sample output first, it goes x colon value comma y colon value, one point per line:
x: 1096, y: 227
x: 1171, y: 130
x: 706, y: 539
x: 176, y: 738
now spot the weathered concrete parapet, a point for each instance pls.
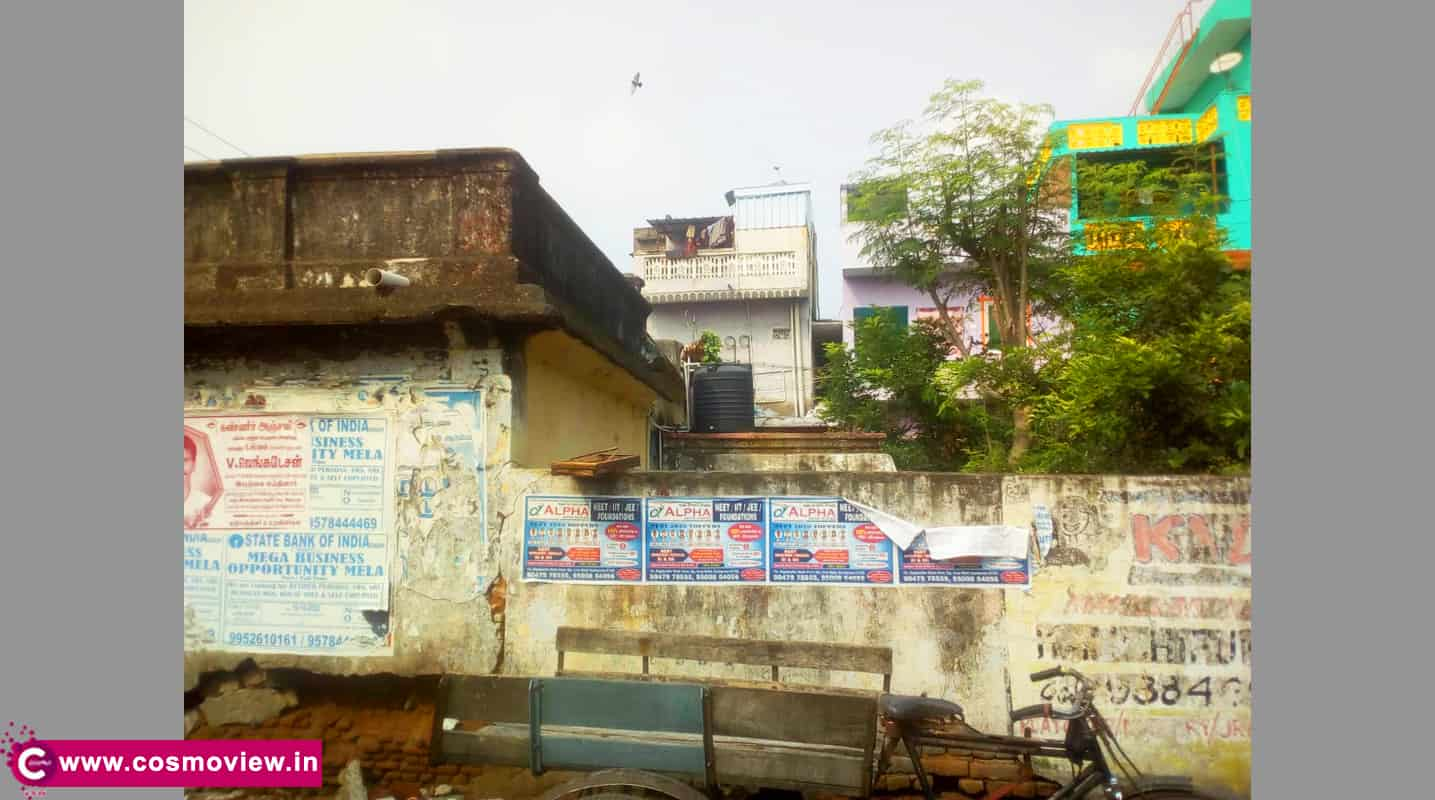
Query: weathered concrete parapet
x: 283, y: 242
x: 776, y: 451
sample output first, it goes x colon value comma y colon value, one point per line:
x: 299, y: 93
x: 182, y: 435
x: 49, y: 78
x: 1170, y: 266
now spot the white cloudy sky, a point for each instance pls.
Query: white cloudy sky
x: 731, y: 88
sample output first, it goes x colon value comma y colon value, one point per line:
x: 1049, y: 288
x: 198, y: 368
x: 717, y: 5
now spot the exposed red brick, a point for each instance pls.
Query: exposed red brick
x: 995, y: 769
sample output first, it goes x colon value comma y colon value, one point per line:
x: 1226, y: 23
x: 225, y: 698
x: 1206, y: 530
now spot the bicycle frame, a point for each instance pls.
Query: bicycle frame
x: 1082, y: 745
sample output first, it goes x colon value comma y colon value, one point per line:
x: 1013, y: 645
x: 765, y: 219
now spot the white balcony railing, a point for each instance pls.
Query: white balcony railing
x: 763, y: 273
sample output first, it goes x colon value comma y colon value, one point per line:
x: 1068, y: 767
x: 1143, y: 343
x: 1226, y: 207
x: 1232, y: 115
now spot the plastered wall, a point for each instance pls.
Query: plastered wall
x: 1146, y: 586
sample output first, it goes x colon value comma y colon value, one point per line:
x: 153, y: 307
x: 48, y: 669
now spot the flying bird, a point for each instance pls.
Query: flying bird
x: 637, y: 84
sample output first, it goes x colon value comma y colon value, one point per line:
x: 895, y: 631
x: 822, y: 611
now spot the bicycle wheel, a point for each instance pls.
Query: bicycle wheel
x: 1171, y: 794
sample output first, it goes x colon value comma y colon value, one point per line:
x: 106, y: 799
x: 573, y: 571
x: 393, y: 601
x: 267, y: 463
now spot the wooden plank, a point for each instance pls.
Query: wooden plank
x: 485, y: 698
x: 802, y: 655
x: 602, y: 752
x: 801, y: 688
x: 794, y: 767
x: 503, y: 745
x: 739, y: 762
x: 811, y: 718
x: 436, y: 732
x: 622, y: 705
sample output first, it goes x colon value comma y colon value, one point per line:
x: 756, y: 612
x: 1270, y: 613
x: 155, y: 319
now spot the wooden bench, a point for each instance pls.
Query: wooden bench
x: 788, y: 737
x: 714, y: 649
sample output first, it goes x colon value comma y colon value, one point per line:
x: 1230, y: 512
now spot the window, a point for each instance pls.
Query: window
x: 868, y: 203
x: 1094, y: 202
x: 897, y: 313
x: 991, y: 330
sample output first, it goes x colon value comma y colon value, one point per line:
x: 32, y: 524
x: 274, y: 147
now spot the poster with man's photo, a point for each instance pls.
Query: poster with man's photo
x: 288, y: 533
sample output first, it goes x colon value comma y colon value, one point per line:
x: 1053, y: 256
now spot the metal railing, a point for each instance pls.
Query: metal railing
x: 1180, y: 36
x: 729, y: 266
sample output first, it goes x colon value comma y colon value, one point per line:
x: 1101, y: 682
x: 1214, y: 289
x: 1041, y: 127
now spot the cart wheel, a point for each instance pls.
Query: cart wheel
x: 624, y: 784
x: 1173, y: 793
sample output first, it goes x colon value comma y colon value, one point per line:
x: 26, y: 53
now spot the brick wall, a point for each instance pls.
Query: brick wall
x: 385, y: 722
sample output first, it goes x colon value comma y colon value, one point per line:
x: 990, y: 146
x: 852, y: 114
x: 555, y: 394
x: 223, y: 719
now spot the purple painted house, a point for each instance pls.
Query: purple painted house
x: 866, y: 289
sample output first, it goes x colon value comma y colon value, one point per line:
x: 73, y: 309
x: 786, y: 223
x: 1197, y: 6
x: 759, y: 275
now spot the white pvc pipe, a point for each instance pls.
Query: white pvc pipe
x: 383, y: 278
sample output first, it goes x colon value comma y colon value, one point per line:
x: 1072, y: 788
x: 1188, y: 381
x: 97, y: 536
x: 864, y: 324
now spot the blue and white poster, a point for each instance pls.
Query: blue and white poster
x: 452, y: 422
x: 288, y: 533
x: 828, y: 540
x: 706, y: 540
x: 583, y: 539
x: 919, y: 567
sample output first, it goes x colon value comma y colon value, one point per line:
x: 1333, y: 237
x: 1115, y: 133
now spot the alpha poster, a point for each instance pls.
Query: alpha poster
x: 706, y: 540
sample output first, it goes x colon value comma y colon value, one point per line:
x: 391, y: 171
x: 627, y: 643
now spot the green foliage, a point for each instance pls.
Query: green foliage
x: 1150, y: 368
x: 1157, y: 372
x: 711, y: 348
x: 884, y: 384
x: 954, y: 188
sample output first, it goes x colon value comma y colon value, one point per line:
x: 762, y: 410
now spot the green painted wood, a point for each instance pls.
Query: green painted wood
x: 584, y: 752
x: 621, y: 705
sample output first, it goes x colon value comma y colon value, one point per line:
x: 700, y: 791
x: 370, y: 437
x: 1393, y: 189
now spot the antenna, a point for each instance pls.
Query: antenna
x: 1224, y: 63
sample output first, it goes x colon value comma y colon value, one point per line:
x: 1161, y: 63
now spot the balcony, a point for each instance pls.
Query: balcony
x: 723, y: 275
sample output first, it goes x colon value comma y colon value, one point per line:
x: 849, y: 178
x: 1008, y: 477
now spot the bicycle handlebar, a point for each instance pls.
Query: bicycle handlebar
x: 1042, y: 710
x: 1046, y: 674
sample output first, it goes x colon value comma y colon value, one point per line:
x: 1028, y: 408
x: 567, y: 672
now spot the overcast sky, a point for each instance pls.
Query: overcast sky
x: 731, y: 89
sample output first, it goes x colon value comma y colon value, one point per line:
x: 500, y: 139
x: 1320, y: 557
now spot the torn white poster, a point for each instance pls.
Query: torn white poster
x: 992, y: 541
x: 900, y: 531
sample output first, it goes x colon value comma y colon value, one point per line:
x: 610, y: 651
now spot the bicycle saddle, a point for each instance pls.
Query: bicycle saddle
x: 906, y: 708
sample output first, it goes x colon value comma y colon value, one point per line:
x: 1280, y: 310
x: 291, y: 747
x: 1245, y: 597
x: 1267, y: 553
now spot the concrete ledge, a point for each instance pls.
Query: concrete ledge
x: 777, y: 442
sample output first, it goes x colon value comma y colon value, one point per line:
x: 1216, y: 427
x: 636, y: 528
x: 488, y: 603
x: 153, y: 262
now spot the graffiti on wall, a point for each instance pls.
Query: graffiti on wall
x: 1157, y: 690
x: 1191, y: 549
x: 1135, y: 644
x: 1149, y: 597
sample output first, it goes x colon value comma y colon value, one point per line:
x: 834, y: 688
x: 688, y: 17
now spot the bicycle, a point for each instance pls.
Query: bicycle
x: 1090, y: 745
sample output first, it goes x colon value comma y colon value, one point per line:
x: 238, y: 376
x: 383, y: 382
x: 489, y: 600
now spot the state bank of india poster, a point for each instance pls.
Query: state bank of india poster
x: 288, y: 533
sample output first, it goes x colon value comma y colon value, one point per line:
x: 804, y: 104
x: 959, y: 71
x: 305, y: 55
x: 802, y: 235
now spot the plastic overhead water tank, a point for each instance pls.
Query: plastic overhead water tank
x: 722, y: 399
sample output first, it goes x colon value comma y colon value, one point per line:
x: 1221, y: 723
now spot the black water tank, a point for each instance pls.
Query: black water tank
x: 722, y: 398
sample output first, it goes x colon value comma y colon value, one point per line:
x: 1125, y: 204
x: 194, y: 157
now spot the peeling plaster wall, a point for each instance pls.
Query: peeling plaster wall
x: 574, y: 401
x: 440, y: 612
x: 1148, y: 577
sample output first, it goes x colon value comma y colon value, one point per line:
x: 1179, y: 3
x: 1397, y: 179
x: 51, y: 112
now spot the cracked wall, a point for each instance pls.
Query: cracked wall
x: 1145, y: 583
x: 445, y: 559
x: 1145, y: 587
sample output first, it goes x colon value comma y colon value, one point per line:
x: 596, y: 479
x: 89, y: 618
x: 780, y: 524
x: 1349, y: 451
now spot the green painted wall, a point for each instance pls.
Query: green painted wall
x: 1220, y: 92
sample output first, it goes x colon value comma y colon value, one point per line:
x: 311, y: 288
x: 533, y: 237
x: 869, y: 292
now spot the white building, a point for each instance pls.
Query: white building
x: 749, y: 276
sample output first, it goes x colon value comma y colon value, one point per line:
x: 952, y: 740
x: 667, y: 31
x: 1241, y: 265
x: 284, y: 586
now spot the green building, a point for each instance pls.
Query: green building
x: 1198, y: 91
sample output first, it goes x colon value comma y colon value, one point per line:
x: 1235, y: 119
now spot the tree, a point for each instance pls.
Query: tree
x: 951, y: 210
x: 885, y: 384
x: 1154, y: 373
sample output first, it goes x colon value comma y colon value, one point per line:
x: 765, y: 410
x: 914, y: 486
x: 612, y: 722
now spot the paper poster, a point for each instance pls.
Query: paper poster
x: 1044, y: 529
x: 441, y: 459
x: 828, y: 540
x: 288, y: 532
x: 918, y: 567
x: 900, y: 531
x: 583, y: 539
x: 993, y: 541
x: 706, y: 540
x: 449, y: 429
